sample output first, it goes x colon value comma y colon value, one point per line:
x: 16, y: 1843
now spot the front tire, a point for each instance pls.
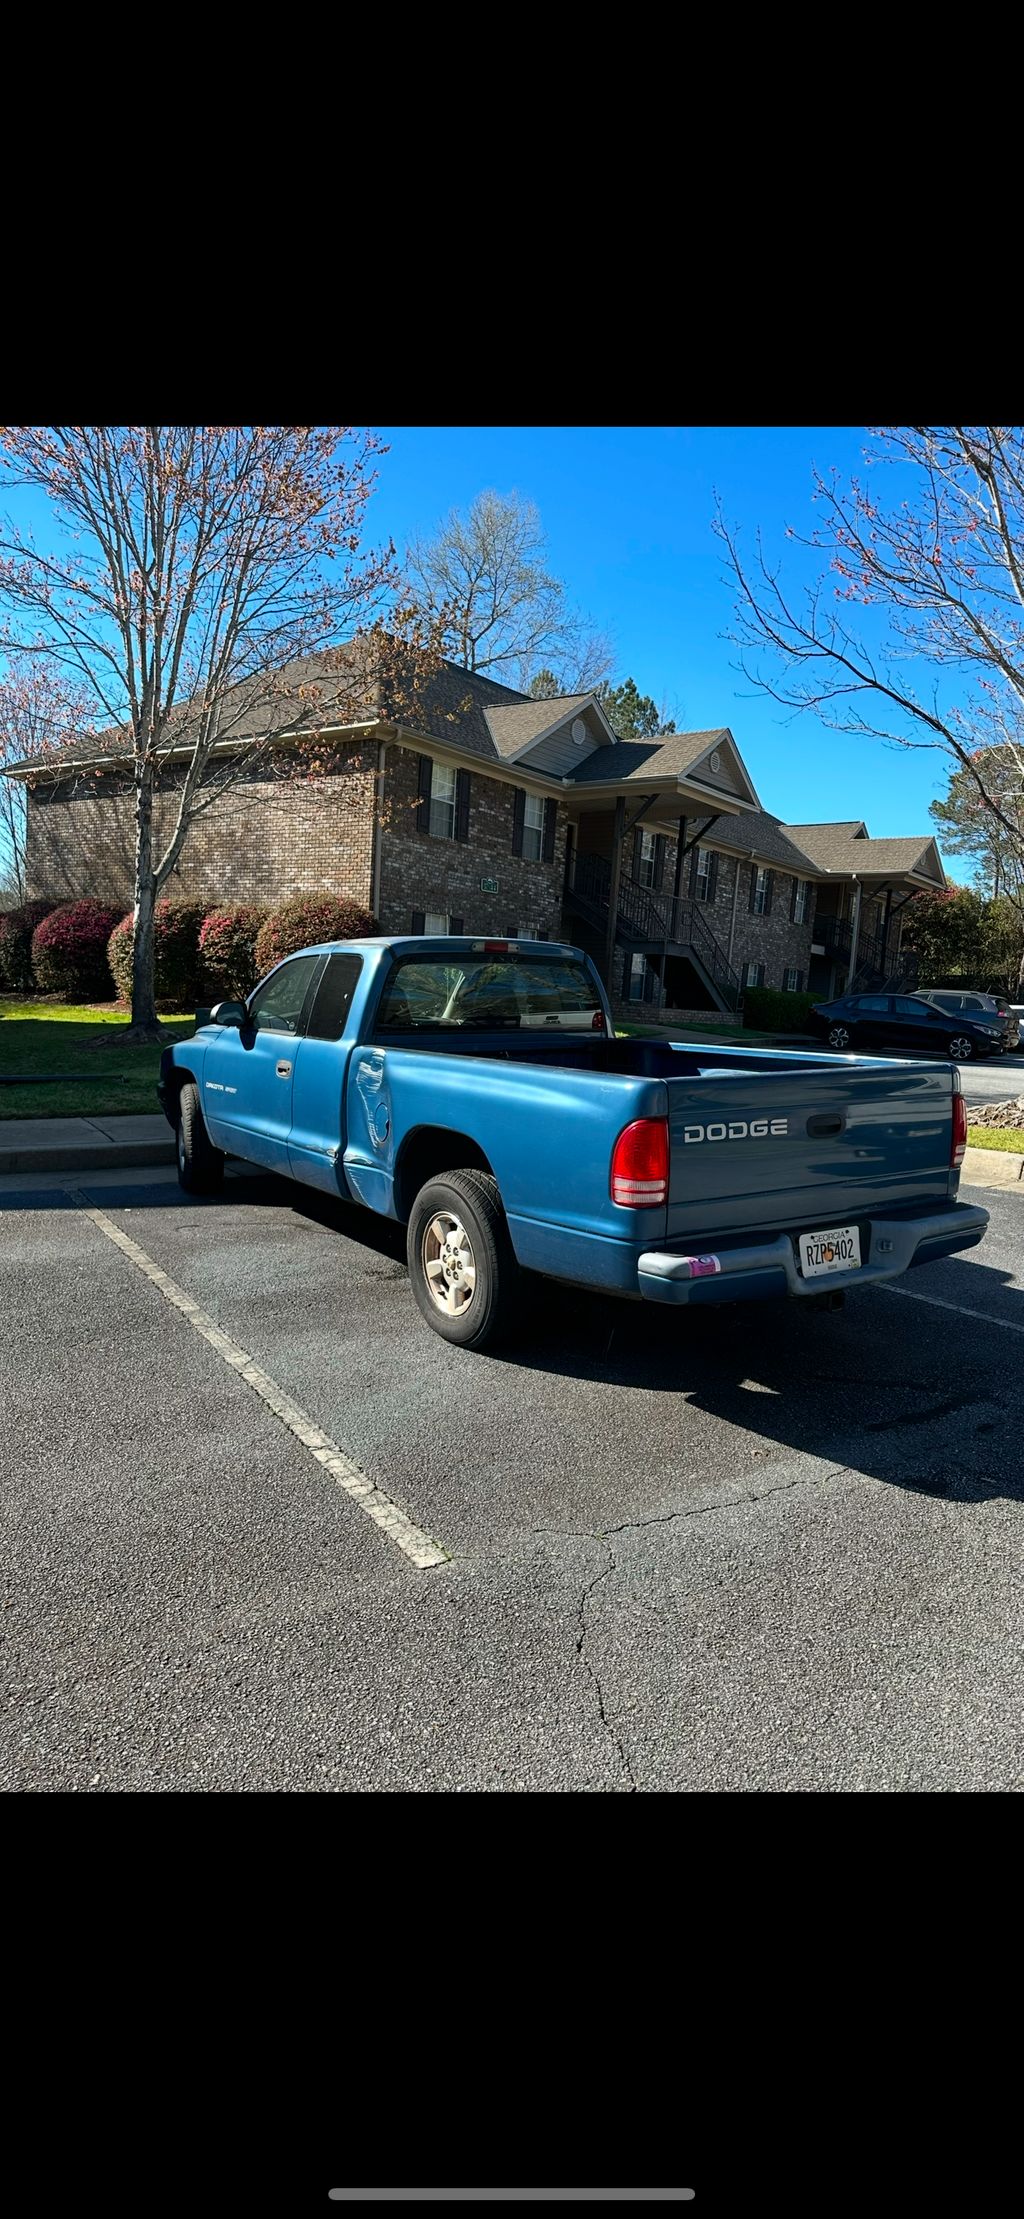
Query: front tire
x: 461, y: 1261
x: 839, y: 1036
x: 200, y: 1164
x: 961, y: 1049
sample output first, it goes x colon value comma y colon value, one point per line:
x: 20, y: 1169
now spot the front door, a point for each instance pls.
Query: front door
x: 248, y: 1074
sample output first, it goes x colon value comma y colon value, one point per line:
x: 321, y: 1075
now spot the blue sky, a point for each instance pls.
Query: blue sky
x: 627, y: 511
x: 628, y: 515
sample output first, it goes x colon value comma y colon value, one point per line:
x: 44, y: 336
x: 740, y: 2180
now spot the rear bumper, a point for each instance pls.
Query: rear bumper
x: 768, y: 1267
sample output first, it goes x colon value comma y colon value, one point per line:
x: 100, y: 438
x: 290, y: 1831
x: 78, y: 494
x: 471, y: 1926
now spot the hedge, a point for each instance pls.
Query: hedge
x: 69, y: 951
x: 765, y: 1009
x: 305, y: 920
x: 16, y: 929
x: 178, y: 964
x: 227, y: 946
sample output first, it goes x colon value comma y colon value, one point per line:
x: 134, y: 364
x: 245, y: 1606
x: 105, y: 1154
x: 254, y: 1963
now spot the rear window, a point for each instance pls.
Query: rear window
x: 489, y: 993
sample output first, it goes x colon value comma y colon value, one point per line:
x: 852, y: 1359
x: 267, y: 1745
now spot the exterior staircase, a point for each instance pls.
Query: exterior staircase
x: 651, y: 923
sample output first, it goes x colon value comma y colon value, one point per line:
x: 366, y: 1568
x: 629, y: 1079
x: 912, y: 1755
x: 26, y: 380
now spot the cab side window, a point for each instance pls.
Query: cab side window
x: 332, y: 998
x: 277, y: 1005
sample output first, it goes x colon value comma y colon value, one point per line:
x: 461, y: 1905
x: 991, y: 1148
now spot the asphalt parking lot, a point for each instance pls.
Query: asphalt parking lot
x: 753, y: 1549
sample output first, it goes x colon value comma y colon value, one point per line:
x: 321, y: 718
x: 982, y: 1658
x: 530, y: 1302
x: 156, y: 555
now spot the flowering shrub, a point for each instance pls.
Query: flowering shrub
x: 16, y: 929
x: 227, y: 946
x: 306, y: 919
x: 178, y: 966
x: 69, y: 951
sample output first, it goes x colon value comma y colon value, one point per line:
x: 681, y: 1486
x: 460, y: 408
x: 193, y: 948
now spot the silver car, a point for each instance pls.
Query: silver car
x: 985, y: 1009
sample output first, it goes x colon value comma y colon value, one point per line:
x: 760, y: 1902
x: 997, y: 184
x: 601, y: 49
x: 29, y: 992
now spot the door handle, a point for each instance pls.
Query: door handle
x: 823, y: 1123
x: 284, y: 1070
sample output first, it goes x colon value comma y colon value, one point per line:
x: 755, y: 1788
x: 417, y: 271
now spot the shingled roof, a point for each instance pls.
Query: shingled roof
x: 758, y: 834
x: 835, y: 848
x: 669, y: 756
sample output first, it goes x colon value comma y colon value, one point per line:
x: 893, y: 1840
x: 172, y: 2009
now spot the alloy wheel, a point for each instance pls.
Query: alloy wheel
x: 449, y: 1264
x: 960, y: 1048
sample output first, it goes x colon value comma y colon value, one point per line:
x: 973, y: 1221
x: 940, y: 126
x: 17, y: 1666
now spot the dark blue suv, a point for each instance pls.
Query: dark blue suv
x: 907, y: 1026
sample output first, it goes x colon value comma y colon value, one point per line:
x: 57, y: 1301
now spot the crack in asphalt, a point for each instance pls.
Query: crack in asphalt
x: 581, y: 1640
x: 602, y: 1534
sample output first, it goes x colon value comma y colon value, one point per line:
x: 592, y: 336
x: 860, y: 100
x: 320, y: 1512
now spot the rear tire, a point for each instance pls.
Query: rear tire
x: 461, y: 1261
x: 200, y: 1164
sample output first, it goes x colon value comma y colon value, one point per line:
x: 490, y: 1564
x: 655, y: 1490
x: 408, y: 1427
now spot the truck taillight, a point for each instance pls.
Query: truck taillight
x: 959, y: 1141
x: 597, y: 1021
x: 640, y: 1161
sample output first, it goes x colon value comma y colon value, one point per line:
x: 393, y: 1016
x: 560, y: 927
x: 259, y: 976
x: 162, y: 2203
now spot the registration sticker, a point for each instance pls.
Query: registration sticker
x: 838, y: 1250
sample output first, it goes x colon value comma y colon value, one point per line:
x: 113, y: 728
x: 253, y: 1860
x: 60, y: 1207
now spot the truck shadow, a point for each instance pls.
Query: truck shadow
x: 921, y: 1397
x: 925, y: 1398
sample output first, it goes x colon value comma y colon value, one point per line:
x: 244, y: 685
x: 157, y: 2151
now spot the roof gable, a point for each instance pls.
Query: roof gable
x: 524, y: 728
x: 671, y: 757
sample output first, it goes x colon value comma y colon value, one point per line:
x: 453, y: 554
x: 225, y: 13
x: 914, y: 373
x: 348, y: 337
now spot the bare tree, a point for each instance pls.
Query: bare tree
x: 937, y: 555
x: 483, y: 575
x: 41, y: 707
x: 203, y: 565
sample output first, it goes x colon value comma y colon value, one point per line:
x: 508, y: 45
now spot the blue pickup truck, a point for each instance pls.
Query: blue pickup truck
x: 474, y: 1089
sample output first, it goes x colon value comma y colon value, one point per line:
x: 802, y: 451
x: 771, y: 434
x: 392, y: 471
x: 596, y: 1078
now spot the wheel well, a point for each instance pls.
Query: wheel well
x: 176, y: 1079
x: 427, y: 1152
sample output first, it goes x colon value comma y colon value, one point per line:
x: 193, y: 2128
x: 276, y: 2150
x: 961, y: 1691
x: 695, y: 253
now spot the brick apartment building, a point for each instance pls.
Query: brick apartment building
x: 487, y: 811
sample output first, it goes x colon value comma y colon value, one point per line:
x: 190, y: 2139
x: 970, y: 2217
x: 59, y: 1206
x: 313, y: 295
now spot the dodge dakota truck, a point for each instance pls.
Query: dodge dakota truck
x: 475, y: 1091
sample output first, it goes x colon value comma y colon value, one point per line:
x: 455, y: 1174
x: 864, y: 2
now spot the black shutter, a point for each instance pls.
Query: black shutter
x: 769, y: 883
x: 511, y: 932
x: 792, y: 901
x: 423, y: 808
x: 419, y: 916
x: 518, y: 814
x: 799, y: 983
x: 753, y: 886
x: 462, y: 804
x: 693, y: 873
x: 760, y: 974
x: 550, y: 825
x: 713, y: 877
x: 455, y: 924
x: 659, y: 862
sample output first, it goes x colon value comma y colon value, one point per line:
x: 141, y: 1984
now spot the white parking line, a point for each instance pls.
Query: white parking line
x: 418, y: 1546
x: 1009, y: 1325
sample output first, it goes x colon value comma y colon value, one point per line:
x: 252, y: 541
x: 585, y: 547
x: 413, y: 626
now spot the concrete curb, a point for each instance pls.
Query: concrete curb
x: 84, y: 1143
x: 111, y: 1155
x: 988, y: 1167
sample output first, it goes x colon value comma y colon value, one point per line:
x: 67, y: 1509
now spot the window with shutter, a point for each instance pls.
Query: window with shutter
x: 644, y: 856
x: 442, y: 801
x: 533, y: 827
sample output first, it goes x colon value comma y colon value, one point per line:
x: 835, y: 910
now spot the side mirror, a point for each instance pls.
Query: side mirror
x: 229, y: 1013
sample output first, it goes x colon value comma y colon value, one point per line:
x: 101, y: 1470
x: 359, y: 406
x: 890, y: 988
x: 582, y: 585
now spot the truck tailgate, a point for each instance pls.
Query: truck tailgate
x: 788, y: 1148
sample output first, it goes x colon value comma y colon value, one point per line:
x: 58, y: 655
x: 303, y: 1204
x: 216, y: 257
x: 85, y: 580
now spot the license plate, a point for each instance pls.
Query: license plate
x: 838, y: 1250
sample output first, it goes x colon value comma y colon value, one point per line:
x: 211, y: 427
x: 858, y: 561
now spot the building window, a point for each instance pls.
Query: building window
x: 760, y: 899
x: 800, y: 901
x: 646, y: 858
x: 435, y: 922
x: 442, y: 801
x: 702, y: 876
x: 533, y: 827
x: 753, y: 974
x: 792, y: 982
x: 641, y: 980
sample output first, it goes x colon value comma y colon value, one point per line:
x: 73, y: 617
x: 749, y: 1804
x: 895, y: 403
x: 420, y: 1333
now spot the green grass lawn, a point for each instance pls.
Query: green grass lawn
x: 1009, y: 1138
x: 73, y: 1045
